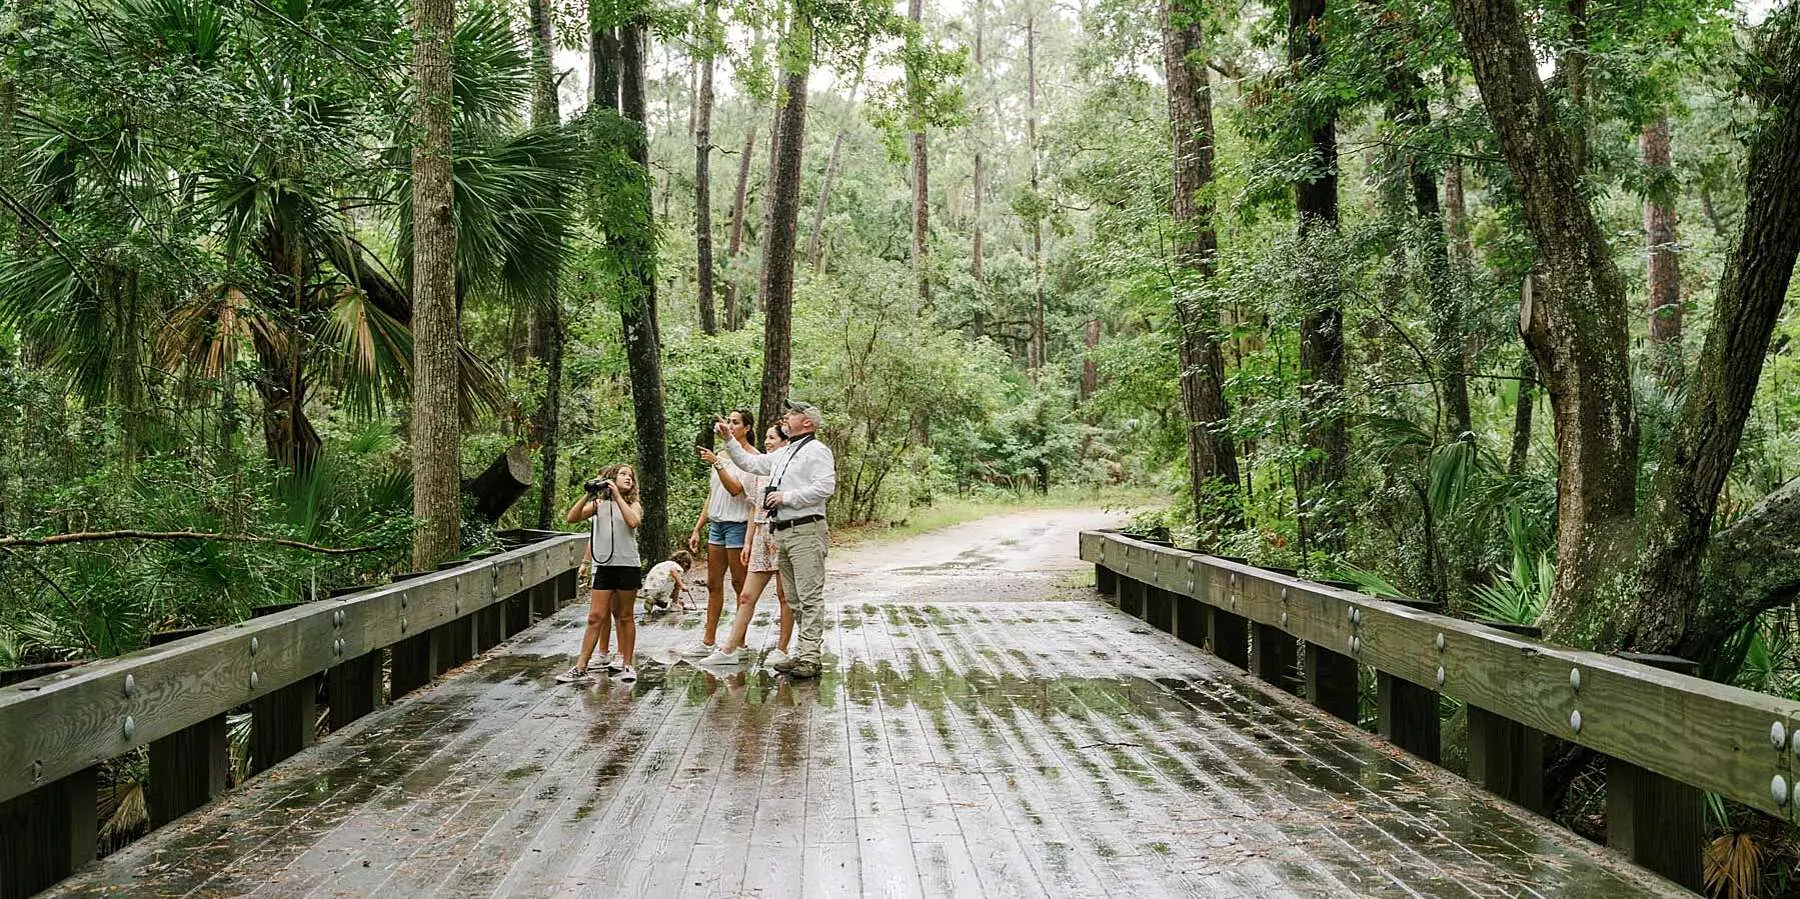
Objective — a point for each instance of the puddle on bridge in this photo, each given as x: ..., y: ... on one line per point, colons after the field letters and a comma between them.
x: 964, y: 749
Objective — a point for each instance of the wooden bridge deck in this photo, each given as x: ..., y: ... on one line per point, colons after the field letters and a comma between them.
x: 980, y: 748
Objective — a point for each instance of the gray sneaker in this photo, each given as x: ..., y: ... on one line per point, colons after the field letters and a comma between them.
x: 801, y: 670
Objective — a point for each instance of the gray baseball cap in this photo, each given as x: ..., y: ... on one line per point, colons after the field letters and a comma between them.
x: 807, y: 409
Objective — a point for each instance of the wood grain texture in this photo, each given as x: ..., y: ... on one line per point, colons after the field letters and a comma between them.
x: 973, y: 748
x: 1708, y: 735
x: 61, y: 724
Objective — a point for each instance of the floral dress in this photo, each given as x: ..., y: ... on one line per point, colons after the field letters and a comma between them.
x: 763, y: 549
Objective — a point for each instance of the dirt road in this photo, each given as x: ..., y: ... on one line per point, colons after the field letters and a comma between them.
x: 1018, y: 556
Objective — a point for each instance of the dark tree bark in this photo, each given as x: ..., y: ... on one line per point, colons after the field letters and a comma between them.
x: 784, y: 216
x: 734, y: 318
x: 603, y: 59
x: 436, y: 421
x: 636, y: 243
x: 501, y: 484
x: 979, y: 183
x: 1613, y: 568
x: 1322, y: 328
x: 1576, y: 322
x: 1752, y: 566
x: 1090, y: 372
x: 1035, y: 350
x: 921, y: 162
x: 545, y: 333
x: 1212, y: 458
x: 1521, y: 434
x: 1697, y: 455
x: 1664, y: 305
x: 701, y: 126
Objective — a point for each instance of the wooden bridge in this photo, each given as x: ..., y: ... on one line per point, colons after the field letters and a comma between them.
x: 979, y: 731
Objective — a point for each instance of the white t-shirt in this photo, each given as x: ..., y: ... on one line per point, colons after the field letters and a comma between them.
x: 659, y: 583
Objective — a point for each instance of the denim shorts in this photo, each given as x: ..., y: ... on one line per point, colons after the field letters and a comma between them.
x: 729, y: 534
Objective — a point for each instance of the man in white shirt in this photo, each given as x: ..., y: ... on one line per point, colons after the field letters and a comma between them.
x: 802, y: 477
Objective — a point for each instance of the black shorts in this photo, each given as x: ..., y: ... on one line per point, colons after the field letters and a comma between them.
x: 617, y: 577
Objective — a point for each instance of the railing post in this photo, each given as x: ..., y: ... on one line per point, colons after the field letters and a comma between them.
x: 566, y: 591
x: 352, y: 687
x: 1330, y: 677
x: 414, y: 659
x: 543, y: 603
x: 1191, y: 620
x: 1407, y: 713
x: 1159, y: 608
x: 1131, y: 596
x: 1506, y: 757
x: 518, y: 610
x: 456, y: 637
x: 285, y: 720
x: 1104, y: 580
x: 1275, y: 653
x: 189, y: 767
x: 48, y: 834
x: 1274, y: 656
x: 1230, y: 631
x: 1658, y: 822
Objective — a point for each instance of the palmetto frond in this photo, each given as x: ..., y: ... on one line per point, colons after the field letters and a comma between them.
x: 215, y: 330
x: 374, y: 351
x: 512, y: 218
x: 491, y: 83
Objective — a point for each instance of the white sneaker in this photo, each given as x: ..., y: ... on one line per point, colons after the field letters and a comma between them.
x: 775, y: 657
x: 626, y: 674
x: 722, y: 659
x: 614, y: 661
x: 696, y: 650
x: 575, y: 673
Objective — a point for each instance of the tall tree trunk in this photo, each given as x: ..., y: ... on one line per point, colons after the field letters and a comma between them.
x: 1446, y: 316
x: 1665, y: 264
x: 436, y: 421
x: 815, y: 246
x: 1521, y: 435
x: 1322, y: 328
x: 734, y: 318
x: 784, y: 214
x: 603, y: 58
x: 1090, y: 371
x: 1212, y: 458
x: 1035, y: 348
x: 979, y: 182
x: 546, y: 329
x: 1697, y: 455
x: 637, y: 310
x: 921, y: 162
x: 701, y: 127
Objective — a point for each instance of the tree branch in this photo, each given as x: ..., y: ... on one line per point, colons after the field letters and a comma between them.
x: 93, y: 536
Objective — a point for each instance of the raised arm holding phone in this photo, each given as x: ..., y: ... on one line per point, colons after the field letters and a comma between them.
x: 802, y: 477
x: 724, y: 522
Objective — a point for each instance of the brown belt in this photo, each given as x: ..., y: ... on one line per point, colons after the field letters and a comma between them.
x: 784, y: 524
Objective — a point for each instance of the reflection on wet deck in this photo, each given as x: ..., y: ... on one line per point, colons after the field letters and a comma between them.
x: 1048, y: 748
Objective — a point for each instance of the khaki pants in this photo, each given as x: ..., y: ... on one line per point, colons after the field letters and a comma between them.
x: 802, y: 563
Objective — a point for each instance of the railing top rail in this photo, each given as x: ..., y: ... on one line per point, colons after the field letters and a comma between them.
x: 53, y: 726
x: 1734, y: 742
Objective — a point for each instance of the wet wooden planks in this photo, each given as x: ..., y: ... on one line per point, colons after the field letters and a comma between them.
x: 953, y: 749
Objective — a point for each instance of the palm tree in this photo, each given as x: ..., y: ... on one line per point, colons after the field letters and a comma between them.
x: 248, y: 222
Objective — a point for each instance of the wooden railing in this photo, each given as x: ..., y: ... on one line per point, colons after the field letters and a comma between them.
x: 173, y: 697
x: 1667, y: 736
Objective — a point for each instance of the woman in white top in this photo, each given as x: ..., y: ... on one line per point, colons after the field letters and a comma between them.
x: 725, y: 520
x: 611, y: 507
x: 764, y: 567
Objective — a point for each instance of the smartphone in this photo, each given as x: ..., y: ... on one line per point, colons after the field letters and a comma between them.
x: 706, y: 435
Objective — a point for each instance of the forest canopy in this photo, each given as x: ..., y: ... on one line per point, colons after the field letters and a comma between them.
x: 1475, y: 302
